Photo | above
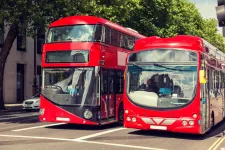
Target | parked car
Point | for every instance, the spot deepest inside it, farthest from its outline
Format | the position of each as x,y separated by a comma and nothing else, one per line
33,103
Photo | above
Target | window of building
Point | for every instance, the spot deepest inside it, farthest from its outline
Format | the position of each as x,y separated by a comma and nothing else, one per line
39,77
21,40
1,34
40,40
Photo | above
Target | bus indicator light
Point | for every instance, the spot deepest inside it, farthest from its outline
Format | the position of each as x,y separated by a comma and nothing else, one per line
194,116
128,119
134,119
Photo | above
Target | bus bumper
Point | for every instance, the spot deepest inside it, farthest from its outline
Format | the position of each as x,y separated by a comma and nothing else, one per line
51,113
176,126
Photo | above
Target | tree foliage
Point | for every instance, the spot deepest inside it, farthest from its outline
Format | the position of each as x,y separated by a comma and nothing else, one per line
164,18
211,34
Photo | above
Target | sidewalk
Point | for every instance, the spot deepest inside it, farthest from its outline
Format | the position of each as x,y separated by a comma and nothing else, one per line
12,108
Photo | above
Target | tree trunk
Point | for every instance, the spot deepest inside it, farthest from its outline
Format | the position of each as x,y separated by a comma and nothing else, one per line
11,36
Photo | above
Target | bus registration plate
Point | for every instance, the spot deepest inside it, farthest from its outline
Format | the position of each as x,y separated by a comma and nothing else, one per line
158,127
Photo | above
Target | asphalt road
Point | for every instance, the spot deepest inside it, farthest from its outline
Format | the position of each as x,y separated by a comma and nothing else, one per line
23,131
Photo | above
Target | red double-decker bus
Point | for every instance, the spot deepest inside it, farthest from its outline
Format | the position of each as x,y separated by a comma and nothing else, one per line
174,84
83,65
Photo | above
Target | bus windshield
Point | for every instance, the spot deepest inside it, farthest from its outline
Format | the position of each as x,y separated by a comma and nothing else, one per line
79,33
162,85
70,86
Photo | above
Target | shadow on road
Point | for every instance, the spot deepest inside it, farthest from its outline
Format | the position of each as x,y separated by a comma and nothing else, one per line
21,117
83,127
217,131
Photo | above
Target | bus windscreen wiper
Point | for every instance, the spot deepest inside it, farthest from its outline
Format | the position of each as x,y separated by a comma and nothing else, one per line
158,65
135,65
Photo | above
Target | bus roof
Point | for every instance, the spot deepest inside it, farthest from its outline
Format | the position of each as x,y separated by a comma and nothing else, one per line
180,41
73,20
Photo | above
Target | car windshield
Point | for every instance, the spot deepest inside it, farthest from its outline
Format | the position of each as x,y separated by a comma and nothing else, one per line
66,86
162,86
79,33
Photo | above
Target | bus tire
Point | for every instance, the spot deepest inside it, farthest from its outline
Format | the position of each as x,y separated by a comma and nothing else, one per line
120,114
212,120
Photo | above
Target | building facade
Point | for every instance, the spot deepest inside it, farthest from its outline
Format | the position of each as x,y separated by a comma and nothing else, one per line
19,68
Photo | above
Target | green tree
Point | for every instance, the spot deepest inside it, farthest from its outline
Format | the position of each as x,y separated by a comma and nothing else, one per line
166,18
30,15
210,33
35,14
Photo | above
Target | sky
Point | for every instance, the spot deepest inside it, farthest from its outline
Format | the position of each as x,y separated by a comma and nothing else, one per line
207,8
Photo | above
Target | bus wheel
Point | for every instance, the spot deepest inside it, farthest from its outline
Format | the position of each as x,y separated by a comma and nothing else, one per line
212,120
120,115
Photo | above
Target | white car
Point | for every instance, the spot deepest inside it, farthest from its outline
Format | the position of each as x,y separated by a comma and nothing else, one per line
33,103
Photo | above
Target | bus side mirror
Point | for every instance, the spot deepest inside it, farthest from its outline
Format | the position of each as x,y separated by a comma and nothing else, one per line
202,77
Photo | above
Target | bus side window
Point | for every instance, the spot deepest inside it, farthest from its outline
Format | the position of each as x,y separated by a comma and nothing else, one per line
115,39
111,82
107,35
98,33
124,41
119,82
131,42
104,82
127,42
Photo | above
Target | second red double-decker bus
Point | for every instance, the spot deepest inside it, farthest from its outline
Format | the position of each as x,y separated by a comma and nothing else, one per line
174,84
83,65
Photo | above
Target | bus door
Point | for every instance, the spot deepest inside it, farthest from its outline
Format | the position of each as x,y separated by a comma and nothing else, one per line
205,98
107,94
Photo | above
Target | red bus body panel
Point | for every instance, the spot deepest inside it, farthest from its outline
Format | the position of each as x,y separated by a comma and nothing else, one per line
170,120
52,112
100,54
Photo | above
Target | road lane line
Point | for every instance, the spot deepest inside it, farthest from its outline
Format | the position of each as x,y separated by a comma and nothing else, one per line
35,137
2,119
218,144
42,126
214,143
98,134
81,141
120,145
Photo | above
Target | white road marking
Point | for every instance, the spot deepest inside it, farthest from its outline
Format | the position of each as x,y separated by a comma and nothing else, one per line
83,141
36,137
120,145
2,119
42,126
98,134
219,143
215,143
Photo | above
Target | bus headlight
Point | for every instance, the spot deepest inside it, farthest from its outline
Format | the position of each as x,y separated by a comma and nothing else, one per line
191,123
42,111
88,114
184,123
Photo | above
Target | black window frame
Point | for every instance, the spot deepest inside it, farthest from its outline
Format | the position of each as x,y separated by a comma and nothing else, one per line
2,33
40,40
20,37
